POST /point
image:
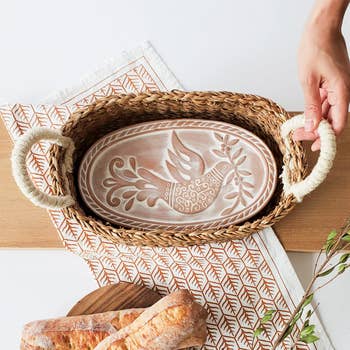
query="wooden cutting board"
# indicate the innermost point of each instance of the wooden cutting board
(118, 296)
(25, 226)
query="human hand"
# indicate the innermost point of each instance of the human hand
(324, 72)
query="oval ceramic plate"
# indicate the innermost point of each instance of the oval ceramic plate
(178, 174)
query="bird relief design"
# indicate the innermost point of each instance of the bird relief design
(192, 187)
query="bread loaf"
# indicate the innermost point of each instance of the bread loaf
(167, 325)
(77, 332)
(87, 331)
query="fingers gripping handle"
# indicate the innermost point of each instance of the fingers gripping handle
(324, 162)
(19, 167)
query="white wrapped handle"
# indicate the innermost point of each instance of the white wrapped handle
(324, 162)
(19, 167)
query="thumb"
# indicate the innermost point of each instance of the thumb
(313, 107)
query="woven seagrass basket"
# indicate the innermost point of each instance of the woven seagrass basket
(256, 114)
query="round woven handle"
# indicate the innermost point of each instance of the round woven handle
(324, 162)
(19, 167)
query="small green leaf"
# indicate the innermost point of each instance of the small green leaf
(308, 315)
(342, 268)
(309, 339)
(332, 235)
(307, 301)
(258, 331)
(268, 316)
(330, 241)
(327, 272)
(344, 258)
(266, 319)
(307, 331)
(346, 237)
(329, 246)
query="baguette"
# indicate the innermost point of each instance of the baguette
(77, 332)
(167, 325)
(87, 331)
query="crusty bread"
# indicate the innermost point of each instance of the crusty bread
(167, 325)
(87, 331)
(77, 332)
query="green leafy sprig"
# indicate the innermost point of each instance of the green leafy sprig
(333, 267)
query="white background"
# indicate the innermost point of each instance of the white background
(223, 45)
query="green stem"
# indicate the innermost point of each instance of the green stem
(317, 260)
(333, 251)
(298, 335)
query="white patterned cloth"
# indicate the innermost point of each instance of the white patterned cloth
(237, 281)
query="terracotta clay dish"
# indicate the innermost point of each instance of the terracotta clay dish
(177, 174)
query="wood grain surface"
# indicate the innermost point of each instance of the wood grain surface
(118, 296)
(22, 225)
(307, 226)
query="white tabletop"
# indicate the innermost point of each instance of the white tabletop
(209, 45)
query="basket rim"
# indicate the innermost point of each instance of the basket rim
(156, 237)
